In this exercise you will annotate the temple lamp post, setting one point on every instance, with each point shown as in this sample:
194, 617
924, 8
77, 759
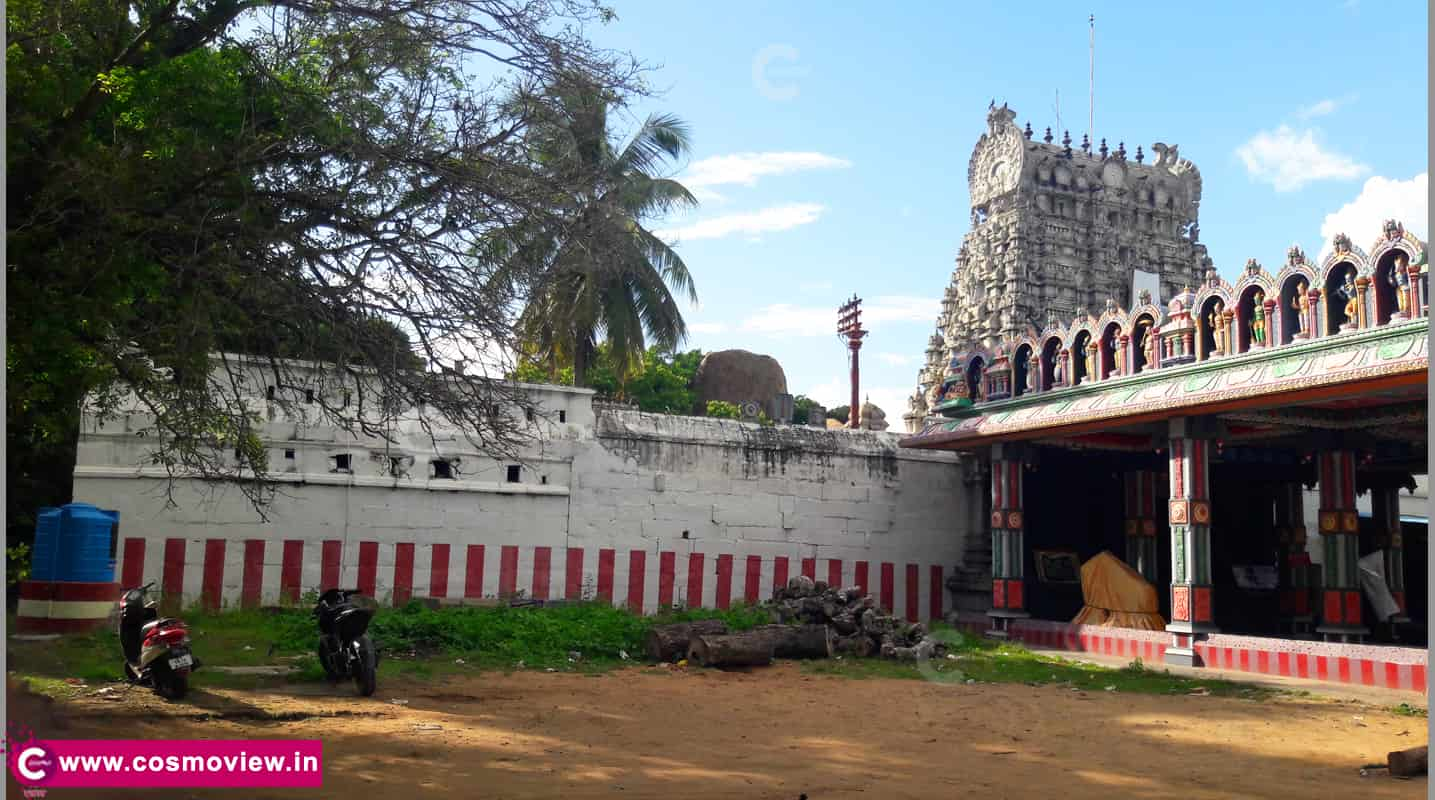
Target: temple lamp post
849, 326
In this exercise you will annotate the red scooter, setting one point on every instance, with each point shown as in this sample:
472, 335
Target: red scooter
157, 650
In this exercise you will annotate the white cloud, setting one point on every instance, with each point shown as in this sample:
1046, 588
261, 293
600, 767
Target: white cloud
1289, 159
1380, 199
745, 168
707, 327
768, 220
785, 319
1318, 109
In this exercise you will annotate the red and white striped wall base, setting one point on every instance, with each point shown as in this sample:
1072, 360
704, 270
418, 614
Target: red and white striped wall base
1402, 668
220, 573
64, 606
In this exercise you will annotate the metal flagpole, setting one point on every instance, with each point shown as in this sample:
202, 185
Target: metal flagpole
1091, 113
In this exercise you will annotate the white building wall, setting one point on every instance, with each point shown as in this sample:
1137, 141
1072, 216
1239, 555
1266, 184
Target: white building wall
615, 503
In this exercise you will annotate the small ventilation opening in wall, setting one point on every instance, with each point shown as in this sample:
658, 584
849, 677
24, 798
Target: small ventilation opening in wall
513, 473
528, 414
442, 468
289, 454
269, 392
543, 479
342, 462
346, 398
562, 416
309, 396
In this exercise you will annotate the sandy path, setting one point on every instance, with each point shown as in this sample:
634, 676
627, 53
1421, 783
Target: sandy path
777, 733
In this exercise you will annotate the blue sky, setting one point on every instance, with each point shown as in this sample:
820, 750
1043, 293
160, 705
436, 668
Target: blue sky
831, 143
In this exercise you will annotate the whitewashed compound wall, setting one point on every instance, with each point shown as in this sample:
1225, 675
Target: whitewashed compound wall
639, 509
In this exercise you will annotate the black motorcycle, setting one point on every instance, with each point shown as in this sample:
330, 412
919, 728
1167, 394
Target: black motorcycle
156, 650
345, 649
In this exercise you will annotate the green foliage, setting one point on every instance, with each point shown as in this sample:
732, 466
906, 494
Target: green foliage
802, 407
1407, 710
722, 409
839, 413
17, 563
660, 383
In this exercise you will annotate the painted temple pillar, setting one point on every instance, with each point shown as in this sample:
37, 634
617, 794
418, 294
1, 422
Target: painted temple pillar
1312, 319
1340, 603
1141, 523
1189, 513
1295, 566
1362, 287
1385, 509
1008, 541
1416, 302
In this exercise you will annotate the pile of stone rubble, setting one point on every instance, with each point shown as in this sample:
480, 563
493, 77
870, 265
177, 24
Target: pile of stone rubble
859, 625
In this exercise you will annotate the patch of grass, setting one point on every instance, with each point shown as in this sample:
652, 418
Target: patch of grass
1407, 710
987, 661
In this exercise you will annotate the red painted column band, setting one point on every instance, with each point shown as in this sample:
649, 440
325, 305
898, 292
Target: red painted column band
809, 568
438, 571
860, 576
779, 572
403, 573
573, 574
542, 569
330, 560
173, 577
291, 571
209, 593
637, 573
667, 573
752, 587
694, 597
368, 568
253, 579
834, 573
888, 587
934, 609
724, 580
473, 572
508, 570
605, 574
913, 592
133, 573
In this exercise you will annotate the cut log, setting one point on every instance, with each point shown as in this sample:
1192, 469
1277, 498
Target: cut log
798, 641
670, 642
1407, 763
731, 650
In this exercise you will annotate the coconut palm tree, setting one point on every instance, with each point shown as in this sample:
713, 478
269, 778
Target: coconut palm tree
609, 275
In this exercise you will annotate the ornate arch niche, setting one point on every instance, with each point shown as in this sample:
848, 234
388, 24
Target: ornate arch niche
1251, 294
1333, 294
1288, 306
1079, 343
1384, 285
1107, 349
973, 376
1205, 333
1050, 353
1141, 326
1020, 367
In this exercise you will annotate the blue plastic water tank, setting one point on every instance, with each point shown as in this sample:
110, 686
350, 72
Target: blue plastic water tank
75, 542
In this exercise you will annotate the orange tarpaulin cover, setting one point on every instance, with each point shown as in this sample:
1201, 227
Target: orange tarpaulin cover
1117, 596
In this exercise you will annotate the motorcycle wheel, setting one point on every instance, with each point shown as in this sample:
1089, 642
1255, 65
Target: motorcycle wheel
169, 684
366, 679
330, 671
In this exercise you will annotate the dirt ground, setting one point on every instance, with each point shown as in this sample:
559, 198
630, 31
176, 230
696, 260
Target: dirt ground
772, 733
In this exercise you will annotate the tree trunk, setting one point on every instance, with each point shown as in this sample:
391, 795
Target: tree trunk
670, 642
734, 650
798, 641
580, 363
1406, 763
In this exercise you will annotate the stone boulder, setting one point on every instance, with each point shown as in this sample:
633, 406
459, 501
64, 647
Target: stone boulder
737, 376
872, 418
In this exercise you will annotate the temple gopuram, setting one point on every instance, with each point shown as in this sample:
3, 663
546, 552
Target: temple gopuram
1184, 436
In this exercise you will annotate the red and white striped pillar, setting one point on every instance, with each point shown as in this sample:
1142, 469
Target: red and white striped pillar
1189, 514
1008, 552
1340, 616
1295, 606
1141, 523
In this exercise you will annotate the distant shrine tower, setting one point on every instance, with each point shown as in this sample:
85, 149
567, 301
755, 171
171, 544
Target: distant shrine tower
1058, 229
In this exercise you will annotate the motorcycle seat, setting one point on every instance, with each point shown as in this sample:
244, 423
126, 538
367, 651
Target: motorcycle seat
156, 623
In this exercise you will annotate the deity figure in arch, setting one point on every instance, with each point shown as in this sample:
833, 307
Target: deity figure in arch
1058, 369
1150, 343
1400, 279
1216, 321
1352, 300
1258, 319
1091, 351
1300, 304
1032, 368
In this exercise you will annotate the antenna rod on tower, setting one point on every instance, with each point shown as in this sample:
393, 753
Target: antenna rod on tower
1091, 112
